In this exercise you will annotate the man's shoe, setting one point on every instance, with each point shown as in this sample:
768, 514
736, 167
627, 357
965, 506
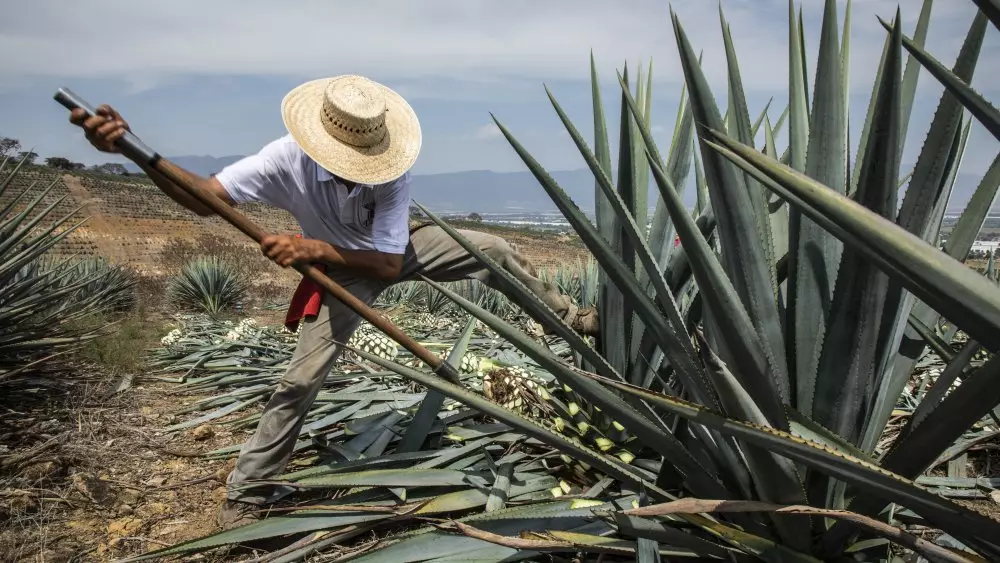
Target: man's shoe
233, 514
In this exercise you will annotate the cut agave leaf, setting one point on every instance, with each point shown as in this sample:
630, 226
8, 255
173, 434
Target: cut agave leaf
694, 506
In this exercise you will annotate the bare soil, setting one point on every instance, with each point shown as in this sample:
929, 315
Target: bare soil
98, 480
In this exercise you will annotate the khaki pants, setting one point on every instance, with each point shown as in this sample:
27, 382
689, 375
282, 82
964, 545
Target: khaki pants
431, 252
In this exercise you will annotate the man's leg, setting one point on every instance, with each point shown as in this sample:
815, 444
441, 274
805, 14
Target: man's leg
433, 253
268, 451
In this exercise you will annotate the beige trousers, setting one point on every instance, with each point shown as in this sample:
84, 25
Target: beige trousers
431, 252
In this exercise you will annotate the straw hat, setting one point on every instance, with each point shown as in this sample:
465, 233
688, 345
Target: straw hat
355, 128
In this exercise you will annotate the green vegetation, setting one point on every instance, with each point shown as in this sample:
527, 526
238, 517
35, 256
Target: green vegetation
46, 305
208, 284
739, 404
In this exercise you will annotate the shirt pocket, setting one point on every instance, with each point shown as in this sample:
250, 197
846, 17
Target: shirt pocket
362, 210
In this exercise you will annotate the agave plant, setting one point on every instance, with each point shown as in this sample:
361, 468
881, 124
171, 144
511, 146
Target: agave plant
41, 299
751, 396
207, 284
778, 385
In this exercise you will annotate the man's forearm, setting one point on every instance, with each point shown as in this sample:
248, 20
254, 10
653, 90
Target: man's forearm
367, 263
175, 192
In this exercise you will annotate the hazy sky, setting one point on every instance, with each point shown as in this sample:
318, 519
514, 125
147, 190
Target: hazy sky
208, 77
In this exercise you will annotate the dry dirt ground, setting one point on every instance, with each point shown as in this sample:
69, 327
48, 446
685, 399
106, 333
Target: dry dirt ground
94, 479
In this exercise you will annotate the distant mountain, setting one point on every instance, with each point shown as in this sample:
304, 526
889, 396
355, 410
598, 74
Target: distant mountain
485, 191
469, 191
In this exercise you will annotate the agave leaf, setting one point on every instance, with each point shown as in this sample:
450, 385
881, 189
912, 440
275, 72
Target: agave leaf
661, 531
427, 414
947, 515
840, 402
992, 10
649, 434
743, 254
738, 108
980, 107
694, 506
775, 476
600, 462
845, 59
798, 106
922, 442
932, 276
613, 265
263, 529
704, 201
760, 119
955, 368
391, 478
678, 165
737, 330
928, 193
679, 348
959, 243
912, 73
814, 254
528, 299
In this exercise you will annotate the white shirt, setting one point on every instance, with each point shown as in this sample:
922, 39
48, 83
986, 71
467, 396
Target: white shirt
370, 217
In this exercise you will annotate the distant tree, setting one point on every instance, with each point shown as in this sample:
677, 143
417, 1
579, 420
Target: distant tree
9, 147
62, 163
474, 217
29, 156
112, 168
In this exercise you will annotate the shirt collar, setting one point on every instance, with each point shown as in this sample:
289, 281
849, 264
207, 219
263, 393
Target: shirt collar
324, 175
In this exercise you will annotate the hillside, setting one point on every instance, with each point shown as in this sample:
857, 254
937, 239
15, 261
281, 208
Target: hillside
132, 222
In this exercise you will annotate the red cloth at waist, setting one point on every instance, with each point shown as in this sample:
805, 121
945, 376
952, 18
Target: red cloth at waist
306, 300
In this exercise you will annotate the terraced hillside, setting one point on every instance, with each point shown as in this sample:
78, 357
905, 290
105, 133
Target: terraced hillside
132, 222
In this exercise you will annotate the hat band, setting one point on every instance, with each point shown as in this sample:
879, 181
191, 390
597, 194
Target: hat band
352, 135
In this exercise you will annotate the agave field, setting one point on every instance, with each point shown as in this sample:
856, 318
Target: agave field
799, 380
805, 377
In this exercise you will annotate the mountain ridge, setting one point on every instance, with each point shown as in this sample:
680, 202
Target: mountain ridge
486, 191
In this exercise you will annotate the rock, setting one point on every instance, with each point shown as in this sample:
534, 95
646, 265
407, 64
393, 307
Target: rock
995, 495
156, 480
125, 510
203, 432
129, 496
92, 488
124, 526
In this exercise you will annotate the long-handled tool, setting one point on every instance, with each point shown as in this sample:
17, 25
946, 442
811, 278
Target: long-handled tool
138, 152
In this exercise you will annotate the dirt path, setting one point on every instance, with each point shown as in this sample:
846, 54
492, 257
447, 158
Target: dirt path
100, 481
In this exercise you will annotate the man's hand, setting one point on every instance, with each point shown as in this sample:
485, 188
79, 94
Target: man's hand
103, 129
285, 250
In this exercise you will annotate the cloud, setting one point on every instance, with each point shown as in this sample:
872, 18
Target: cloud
487, 132
491, 45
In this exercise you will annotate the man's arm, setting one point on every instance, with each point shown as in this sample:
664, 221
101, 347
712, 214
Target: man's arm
103, 129
286, 250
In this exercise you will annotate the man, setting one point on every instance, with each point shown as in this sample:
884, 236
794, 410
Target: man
343, 172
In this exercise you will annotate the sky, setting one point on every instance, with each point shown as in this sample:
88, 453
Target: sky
207, 78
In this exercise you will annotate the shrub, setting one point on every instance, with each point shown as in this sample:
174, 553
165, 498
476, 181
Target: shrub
207, 284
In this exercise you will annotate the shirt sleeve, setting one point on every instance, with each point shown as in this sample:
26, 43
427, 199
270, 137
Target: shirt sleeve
390, 228
264, 177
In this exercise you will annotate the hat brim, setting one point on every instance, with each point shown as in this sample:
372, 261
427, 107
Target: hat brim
301, 111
